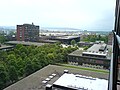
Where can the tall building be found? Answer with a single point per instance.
(27, 32)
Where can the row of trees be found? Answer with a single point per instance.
(93, 38)
(2, 38)
(24, 60)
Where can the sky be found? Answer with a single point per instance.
(80, 14)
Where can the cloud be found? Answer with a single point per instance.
(75, 13)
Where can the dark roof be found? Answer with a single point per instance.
(5, 47)
(25, 43)
(34, 81)
(67, 37)
(76, 53)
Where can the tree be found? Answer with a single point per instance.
(51, 58)
(13, 75)
(28, 67)
(20, 66)
(3, 76)
(24, 60)
(18, 46)
(11, 60)
(36, 64)
(73, 42)
(3, 55)
(2, 39)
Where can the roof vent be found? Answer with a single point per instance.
(44, 82)
(48, 87)
(66, 71)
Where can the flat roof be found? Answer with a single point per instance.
(81, 82)
(25, 43)
(34, 81)
(94, 50)
(95, 53)
(82, 42)
(77, 53)
(5, 47)
(49, 41)
(95, 47)
(67, 37)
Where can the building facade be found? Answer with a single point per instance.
(27, 32)
(110, 38)
(98, 54)
(66, 39)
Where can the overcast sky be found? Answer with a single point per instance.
(81, 14)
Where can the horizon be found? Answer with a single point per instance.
(58, 28)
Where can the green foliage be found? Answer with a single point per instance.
(28, 67)
(13, 74)
(73, 42)
(3, 76)
(24, 60)
(2, 39)
(93, 38)
(86, 47)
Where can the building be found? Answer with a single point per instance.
(66, 39)
(110, 38)
(80, 82)
(82, 44)
(5, 47)
(24, 43)
(52, 74)
(98, 54)
(27, 32)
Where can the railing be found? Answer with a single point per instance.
(114, 77)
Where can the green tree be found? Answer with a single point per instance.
(13, 75)
(36, 64)
(51, 58)
(3, 76)
(20, 66)
(73, 42)
(28, 67)
(3, 55)
(18, 46)
(2, 39)
(11, 60)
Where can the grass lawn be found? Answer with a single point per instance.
(84, 68)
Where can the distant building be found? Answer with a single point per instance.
(66, 39)
(13, 43)
(82, 44)
(27, 32)
(110, 37)
(5, 47)
(98, 54)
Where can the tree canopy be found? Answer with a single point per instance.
(24, 60)
(93, 38)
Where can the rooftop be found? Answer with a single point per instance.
(94, 50)
(25, 43)
(96, 47)
(67, 37)
(76, 53)
(5, 47)
(81, 82)
(36, 81)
